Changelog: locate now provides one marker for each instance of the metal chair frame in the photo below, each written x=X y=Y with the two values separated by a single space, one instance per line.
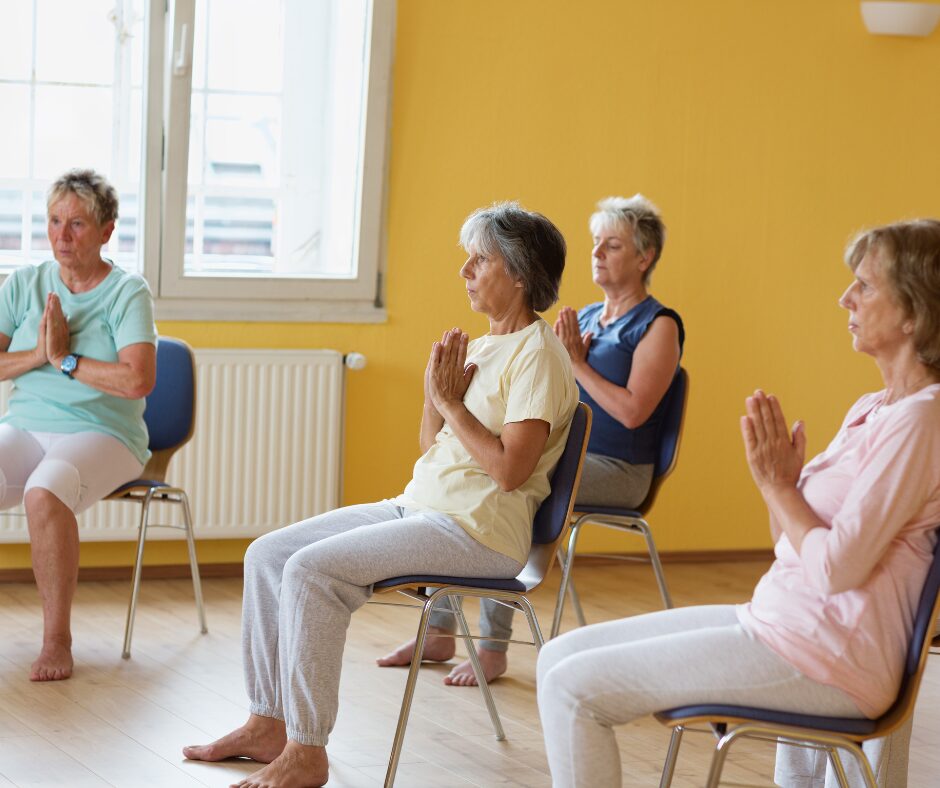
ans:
x=153 y=487
x=732 y=723
x=512 y=592
x=625 y=520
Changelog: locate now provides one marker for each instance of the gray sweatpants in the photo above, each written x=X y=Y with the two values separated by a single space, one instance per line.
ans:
x=605 y=481
x=599 y=676
x=303 y=582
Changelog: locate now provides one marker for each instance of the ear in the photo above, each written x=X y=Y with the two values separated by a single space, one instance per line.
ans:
x=646 y=261
x=106 y=232
x=908 y=327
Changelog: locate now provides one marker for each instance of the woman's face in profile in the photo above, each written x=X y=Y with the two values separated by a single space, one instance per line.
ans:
x=76 y=238
x=489 y=287
x=876 y=319
x=614 y=258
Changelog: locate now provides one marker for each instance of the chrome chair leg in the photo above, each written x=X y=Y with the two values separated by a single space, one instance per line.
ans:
x=643 y=528
x=409 y=693
x=138 y=568
x=477 y=668
x=193 y=564
x=567 y=563
x=837 y=767
x=526 y=607
x=718 y=759
x=672 y=755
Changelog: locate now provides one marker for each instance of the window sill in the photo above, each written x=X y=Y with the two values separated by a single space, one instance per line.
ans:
x=268 y=311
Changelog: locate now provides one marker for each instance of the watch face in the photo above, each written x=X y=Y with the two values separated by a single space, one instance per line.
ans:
x=68 y=364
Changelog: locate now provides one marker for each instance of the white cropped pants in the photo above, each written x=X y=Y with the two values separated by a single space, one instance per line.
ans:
x=600 y=676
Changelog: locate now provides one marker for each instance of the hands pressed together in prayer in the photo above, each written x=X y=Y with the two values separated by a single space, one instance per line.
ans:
x=774 y=453
x=53 y=339
x=569 y=332
x=448 y=375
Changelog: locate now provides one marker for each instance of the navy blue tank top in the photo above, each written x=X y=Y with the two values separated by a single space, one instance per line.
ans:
x=611 y=354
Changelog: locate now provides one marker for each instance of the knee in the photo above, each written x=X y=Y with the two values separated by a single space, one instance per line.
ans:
x=549 y=656
x=55 y=484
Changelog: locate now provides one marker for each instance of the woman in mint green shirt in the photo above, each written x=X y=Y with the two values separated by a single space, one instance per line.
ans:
x=77 y=339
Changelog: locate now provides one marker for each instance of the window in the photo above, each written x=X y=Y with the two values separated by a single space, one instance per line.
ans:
x=247 y=140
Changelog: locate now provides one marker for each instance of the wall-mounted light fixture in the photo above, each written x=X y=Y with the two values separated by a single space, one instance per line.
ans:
x=900 y=18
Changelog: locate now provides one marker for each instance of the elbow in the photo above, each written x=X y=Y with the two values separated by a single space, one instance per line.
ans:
x=832 y=583
x=508 y=482
x=631 y=421
x=140 y=388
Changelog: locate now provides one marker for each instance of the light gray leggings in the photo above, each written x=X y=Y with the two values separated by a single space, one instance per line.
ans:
x=599 y=676
x=605 y=481
x=303 y=582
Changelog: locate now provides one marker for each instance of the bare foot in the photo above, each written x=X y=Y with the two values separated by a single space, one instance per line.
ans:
x=261 y=738
x=494 y=664
x=436 y=649
x=299 y=766
x=54 y=662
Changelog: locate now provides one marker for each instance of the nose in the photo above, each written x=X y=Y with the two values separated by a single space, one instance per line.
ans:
x=846 y=300
x=598 y=251
x=466 y=269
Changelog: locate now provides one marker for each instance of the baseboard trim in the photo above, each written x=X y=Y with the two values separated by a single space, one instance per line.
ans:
x=235 y=569
x=105 y=573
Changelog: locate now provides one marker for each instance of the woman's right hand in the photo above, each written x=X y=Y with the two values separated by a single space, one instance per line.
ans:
x=569 y=332
x=40 y=353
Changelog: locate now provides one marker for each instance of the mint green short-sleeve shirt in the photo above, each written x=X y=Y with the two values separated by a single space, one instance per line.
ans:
x=115 y=314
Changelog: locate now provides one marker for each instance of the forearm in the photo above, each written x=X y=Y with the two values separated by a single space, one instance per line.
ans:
x=789 y=513
x=431 y=423
x=616 y=400
x=487 y=449
x=18 y=363
x=117 y=378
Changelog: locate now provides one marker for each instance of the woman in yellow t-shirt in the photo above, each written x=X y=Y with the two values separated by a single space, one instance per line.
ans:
x=496 y=416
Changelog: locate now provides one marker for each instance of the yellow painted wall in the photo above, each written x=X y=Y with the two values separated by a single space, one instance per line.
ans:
x=766 y=131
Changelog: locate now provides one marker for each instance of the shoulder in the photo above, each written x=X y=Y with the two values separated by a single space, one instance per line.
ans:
x=590 y=312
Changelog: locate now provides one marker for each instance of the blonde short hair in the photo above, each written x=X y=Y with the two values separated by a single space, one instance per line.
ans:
x=641 y=216
x=909 y=253
x=98 y=196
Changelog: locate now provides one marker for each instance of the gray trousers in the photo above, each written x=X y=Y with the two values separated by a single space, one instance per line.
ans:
x=605 y=481
x=596 y=677
x=303 y=582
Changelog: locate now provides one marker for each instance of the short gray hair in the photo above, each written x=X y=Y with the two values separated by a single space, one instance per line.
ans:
x=98 y=196
x=533 y=248
x=641 y=216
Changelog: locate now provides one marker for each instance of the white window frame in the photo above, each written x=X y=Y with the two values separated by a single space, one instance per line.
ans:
x=357 y=299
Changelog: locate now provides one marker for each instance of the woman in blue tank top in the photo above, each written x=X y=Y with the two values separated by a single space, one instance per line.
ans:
x=625 y=352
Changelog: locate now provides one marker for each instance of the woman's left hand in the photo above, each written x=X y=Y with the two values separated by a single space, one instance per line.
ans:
x=774 y=454
x=58 y=344
x=448 y=374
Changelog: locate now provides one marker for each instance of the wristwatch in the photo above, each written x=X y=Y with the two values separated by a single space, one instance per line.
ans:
x=69 y=364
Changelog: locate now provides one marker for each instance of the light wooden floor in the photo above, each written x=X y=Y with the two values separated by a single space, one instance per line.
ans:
x=122 y=723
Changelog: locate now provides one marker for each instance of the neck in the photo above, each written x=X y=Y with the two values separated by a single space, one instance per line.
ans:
x=619 y=301
x=85 y=278
x=512 y=320
x=905 y=375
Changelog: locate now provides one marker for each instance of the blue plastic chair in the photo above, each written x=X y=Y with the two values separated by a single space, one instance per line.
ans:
x=631 y=521
x=548 y=529
x=170 y=416
x=731 y=723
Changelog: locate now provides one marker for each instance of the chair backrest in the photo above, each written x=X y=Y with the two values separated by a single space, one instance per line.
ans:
x=669 y=434
x=170 y=413
x=551 y=518
x=928 y=608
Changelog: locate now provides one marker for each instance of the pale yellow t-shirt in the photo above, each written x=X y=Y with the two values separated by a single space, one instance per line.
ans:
x=523 y=375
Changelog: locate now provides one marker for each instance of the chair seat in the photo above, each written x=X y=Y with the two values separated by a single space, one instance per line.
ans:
x=611 y=510
x=496 y=584
x=145 y=483
x=852 y=726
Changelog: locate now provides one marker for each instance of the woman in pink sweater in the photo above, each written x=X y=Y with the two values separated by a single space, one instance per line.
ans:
x=827 y=628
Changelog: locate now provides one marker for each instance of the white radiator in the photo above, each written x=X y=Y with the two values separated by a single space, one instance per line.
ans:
x=266 y=451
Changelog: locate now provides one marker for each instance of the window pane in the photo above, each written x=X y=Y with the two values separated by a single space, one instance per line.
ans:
x=16 y=39
x=14 y=131
x=84 y=141
x=276 y=137
x=78 y=102
x=75 y=41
